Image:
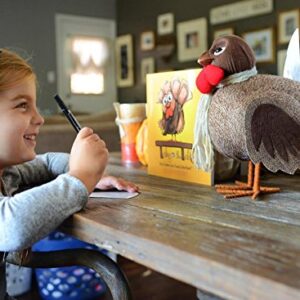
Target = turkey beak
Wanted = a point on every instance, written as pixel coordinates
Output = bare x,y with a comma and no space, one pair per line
204,59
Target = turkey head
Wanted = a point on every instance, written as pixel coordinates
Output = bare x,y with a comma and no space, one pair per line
173,95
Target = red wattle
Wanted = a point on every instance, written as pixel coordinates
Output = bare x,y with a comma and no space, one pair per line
213,74
202,84
208,78
169,112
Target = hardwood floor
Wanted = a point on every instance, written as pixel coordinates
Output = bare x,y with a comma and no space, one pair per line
149,285
145,285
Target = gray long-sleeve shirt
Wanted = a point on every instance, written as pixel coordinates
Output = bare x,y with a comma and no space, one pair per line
36,197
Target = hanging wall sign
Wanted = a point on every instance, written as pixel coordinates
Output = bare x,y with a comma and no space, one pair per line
240,10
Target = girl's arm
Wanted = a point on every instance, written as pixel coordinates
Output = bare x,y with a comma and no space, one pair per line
48,166
40,170
30,215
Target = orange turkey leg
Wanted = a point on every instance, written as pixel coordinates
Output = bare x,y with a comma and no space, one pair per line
249,183
251,188
235,189
257,189
238,184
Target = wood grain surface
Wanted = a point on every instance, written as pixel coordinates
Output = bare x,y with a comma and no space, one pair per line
237,249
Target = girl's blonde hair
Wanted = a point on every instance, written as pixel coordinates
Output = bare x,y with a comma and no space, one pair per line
13,70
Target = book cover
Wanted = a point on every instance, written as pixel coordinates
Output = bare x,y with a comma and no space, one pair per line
172,100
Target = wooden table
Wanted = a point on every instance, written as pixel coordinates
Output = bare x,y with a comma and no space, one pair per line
238,249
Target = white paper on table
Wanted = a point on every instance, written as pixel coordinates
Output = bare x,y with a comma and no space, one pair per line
113,194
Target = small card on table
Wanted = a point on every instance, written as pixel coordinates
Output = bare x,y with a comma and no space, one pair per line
113,194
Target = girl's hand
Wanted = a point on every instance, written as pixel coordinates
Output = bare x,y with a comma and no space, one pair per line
88,158
109,182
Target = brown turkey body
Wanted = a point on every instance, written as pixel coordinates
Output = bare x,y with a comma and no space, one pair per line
231,115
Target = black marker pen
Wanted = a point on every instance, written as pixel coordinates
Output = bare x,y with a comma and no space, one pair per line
68,113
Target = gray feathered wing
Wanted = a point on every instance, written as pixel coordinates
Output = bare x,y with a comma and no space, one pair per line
273,134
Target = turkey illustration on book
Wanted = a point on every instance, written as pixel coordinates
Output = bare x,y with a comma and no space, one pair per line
173,95
245,116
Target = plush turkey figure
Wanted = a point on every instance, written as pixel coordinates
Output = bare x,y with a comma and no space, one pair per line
249,117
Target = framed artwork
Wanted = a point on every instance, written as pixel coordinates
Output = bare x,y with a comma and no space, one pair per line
223,31
147,40
262,43
191,39
288,21
239,10
165,24
281,57
147,67
124,61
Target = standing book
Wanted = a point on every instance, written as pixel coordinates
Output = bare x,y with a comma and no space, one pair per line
172,100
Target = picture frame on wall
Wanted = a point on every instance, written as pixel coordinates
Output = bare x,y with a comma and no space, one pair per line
147,40
288,21
124,61
147,67
191,39
239,10
223,31
262,43
165,24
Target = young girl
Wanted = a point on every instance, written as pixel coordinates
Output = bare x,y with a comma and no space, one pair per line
37,193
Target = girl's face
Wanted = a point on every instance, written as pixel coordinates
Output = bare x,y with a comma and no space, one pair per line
20,123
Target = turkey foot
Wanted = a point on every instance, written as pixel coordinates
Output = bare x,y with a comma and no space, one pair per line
251,188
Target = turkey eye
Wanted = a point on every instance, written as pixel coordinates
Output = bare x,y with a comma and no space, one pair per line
165,101
219,50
